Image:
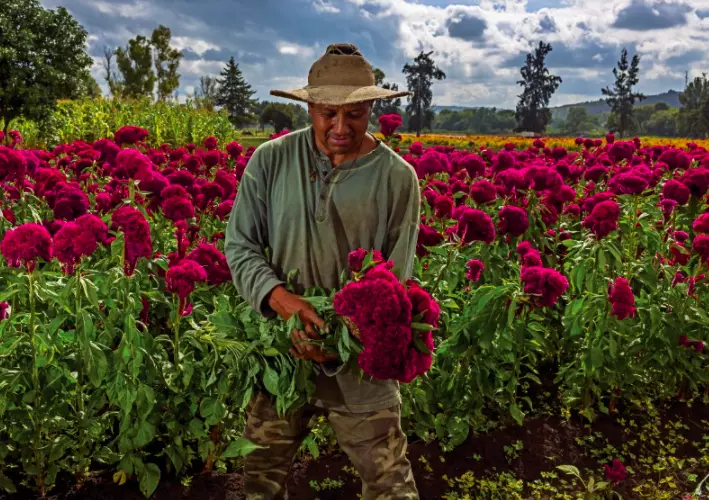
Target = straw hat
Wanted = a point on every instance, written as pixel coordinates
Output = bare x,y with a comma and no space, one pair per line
340,76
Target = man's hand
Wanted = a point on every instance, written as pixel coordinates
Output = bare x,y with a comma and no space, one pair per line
287,304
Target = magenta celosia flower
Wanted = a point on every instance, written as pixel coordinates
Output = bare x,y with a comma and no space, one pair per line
680,236
701,224
628,183
135,165
182,278
543,178
475,269
280,134
523,247
13,165
483,192
621,151
697,180
443,205
25,244
72,242
102,202
177,208
130,135
475,225
4,306
531,258
616,472
212,158
210,143
213,261
234,149
473,164
355,258
512,220
416,148
546,285
595,173
69,202
512,180
137,238
95,225
677,191
590,202
432,162
621,297
427,237
603,219
701,246
573,210
389,123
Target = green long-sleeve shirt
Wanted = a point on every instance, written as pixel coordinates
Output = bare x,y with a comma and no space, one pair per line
310,216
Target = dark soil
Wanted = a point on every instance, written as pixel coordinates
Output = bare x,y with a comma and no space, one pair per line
548,441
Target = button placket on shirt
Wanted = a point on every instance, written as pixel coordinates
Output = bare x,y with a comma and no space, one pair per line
325,172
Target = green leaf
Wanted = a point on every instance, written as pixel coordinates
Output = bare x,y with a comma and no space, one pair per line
420,345
271,351
145,434
149,479
569,469
422,327
596,356
145,401
270,380
6,484
516,413
240,448
96,364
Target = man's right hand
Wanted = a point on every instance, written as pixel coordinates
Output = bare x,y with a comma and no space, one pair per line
286,304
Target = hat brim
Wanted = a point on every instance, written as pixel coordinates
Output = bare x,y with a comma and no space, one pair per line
338,95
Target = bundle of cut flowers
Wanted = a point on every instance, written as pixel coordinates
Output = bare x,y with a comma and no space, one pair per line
374,321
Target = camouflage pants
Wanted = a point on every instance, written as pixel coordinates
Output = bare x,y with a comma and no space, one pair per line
373,441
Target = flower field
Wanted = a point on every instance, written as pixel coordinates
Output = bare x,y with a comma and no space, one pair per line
574,267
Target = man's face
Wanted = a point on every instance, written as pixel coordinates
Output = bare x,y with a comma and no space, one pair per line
340,129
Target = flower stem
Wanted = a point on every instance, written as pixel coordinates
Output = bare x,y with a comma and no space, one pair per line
39,455
176,339
82,343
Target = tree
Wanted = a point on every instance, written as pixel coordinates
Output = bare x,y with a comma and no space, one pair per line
693,119
621,97
167,60
114,84
87,87
578,122
135,63
388,106
42,58
280,116
235,95
663,123
539,85
206,94
419,78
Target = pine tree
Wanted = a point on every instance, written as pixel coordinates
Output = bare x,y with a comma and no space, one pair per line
167,60
621,98
235,95
135,63
539,84
419,78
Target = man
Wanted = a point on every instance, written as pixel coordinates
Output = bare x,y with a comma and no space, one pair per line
310,198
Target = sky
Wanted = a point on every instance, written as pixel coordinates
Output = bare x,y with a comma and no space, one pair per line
479,44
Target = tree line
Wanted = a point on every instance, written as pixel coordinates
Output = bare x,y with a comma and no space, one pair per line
40,65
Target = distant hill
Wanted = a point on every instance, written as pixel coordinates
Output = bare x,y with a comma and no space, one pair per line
671,98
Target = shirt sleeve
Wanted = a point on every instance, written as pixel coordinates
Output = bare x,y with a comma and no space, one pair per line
246,239
404,219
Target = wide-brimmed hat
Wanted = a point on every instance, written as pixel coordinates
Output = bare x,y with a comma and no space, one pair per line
340,76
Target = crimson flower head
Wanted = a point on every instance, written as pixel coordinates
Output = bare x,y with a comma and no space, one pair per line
610,138
622,298
234,149
701,246
71,243
13,165
389,123
177,208
603,219
547,285
616,472
70,202
473,164
355,258
210,143
213,261
130,135
443,205
135,165
432,162
668,206
427,237
4,310
25,244
697,180
680,236
532,258
416,148
523,247
137,238
182,278
701,224
677,191
475,225
628,183
475,269
513,220
483,192
573,210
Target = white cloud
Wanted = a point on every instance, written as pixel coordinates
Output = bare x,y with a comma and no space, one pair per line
325,7
200,67
294,49
194,44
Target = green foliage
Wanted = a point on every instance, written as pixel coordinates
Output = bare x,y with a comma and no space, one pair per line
539,85
206,94
278,115
388,106
693,119
578,122
92,119
476,121
235,95
135,63
42,58
419,78
621,97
